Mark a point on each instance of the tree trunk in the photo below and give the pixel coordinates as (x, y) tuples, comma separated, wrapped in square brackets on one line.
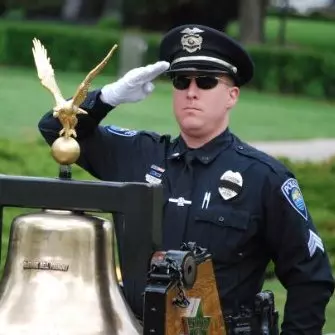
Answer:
[(112, 7), (251, 21), (82, 9), (71, 9), (283, 23)]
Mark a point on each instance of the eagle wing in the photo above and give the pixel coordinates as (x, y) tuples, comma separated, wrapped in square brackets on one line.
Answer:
[(45, 71), (83, 88)]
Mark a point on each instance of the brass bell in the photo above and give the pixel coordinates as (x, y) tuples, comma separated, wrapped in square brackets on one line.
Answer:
[(60, 278)]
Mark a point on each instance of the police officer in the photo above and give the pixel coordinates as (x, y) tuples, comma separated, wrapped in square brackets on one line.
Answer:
[(243, 205)]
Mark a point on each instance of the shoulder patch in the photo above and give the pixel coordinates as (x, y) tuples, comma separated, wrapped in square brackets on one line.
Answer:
[(121, 131), (292, 193)]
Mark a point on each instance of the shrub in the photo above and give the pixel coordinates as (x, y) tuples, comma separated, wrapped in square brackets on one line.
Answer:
[(73, 48), (293, 71)]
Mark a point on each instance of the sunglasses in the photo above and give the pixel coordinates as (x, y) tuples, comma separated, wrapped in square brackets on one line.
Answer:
[(182, 82)]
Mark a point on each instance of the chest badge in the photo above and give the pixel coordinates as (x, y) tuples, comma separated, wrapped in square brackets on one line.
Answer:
[(230, 184)]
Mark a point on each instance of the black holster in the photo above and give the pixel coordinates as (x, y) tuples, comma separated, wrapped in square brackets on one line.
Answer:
[(260, 319)]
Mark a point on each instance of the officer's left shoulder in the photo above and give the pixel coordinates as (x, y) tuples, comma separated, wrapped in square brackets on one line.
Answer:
[(277, 175), (265, 161)]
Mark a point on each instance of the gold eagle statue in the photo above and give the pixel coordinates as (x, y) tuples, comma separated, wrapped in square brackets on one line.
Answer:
[(65, 110)]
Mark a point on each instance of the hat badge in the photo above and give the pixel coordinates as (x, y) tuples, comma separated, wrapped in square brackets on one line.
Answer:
[(230, 184), (191, 40)]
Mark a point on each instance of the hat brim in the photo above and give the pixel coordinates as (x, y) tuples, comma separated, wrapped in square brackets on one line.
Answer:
[(200, 66), (195, 70), (191, 71)]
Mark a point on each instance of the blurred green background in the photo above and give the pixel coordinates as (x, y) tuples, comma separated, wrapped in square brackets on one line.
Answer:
[(291, 97)]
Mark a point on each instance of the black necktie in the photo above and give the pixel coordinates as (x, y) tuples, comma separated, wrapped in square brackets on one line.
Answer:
[(179, 203)]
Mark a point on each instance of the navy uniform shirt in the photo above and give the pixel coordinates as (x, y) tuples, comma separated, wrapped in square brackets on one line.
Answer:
[(238, 202)]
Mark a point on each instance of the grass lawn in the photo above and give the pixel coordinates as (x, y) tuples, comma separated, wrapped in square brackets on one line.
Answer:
[(257, 116)]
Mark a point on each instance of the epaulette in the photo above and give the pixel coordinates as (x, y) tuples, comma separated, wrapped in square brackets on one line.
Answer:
[(156, 136), (248, 150)]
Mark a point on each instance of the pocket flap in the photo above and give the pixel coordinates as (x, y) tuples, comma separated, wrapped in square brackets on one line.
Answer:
[(223, 217)]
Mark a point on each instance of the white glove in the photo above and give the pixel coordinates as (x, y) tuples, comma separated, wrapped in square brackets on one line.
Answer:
[(134, 86)]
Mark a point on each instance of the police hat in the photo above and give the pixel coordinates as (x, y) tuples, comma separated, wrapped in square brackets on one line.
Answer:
[(199, 48)]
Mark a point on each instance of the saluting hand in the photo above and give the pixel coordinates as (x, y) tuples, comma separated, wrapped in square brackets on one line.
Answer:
[(134, 86)]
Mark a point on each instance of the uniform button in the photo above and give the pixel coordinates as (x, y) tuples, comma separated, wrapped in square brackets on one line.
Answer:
[(241, 147), (221, 218)]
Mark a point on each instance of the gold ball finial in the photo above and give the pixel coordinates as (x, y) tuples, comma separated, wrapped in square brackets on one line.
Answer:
[(65, 150)]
